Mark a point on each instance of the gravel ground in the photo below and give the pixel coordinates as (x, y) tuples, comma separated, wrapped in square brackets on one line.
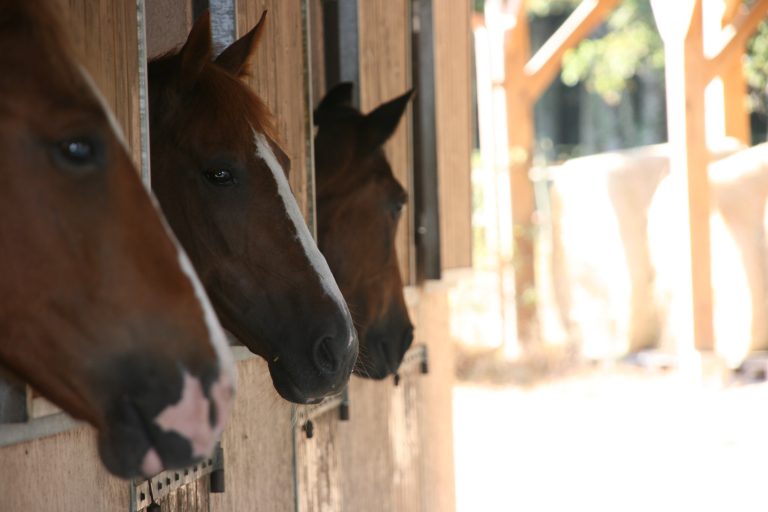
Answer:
[(618, 440)]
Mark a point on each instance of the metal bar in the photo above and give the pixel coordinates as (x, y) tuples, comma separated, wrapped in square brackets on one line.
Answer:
[(341, 40), (13, 433), (223, 24), (426, 191), (165, 483)]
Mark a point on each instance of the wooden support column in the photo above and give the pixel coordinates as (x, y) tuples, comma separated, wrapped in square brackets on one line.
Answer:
[(525, 80), (520, 137), (680, 24)]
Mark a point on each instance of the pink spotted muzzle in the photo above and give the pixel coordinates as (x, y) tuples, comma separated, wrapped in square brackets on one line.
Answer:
[(167, 426)]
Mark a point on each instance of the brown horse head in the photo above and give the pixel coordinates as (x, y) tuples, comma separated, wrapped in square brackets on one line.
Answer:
[(100, 310), (359, 202), (222, 182)]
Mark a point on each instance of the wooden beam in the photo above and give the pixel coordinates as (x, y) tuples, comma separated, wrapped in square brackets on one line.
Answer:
[(735, 85), (520, 138), (740, 32), (545, 64), (732, 8), (684, 48)]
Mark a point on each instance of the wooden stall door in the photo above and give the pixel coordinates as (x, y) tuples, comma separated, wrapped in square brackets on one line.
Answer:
[(280, 76)]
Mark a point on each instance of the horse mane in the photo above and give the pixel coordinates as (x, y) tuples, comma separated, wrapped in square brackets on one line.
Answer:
[(213, 82)]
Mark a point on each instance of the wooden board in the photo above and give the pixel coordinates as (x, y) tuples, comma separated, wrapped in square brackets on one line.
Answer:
[(60, 473), (318, 465), (258, 446), (278, 77), (105, 36), (454, 130), (384, 74), (168, 22)]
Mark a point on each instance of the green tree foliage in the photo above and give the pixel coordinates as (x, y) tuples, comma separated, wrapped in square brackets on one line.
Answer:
[(756, 69), (626, 47)]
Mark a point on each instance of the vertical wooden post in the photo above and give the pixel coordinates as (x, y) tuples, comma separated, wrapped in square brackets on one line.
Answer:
[(734, 87), (680, 24), (520, 137)]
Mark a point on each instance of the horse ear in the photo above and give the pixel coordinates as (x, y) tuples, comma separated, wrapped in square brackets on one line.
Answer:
[(340, 95), (234, 59), (382, 122), (196, 52)]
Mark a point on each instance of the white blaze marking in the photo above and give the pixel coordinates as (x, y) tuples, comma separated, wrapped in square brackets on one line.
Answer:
[(315, 257)]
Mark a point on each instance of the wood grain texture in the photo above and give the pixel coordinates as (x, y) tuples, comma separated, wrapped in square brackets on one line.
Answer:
[(60, 473), (278, 77), (318, 48), (318, 466), (105, 37), (257, 446), (168, 23), (385, 64), (193, 497), (454, 130)]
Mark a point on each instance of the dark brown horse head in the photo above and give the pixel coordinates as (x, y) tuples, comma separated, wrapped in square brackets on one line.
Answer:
[(222, 183), (359, 202), (100, 310)]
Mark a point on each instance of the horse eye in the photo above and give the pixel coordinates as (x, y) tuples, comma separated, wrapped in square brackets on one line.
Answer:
[(220, 176), (397, 209), (78, 153)]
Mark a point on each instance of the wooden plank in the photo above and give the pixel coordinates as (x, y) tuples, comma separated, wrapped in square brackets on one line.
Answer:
[(318, 465), (61, 473), (168, 23), (258, 445), (545, 64), (278, 77), (453, 70), (385, 74), (683, 39), (734, 86), (739, 34), (105, 36), (520, 138), (318, 56)]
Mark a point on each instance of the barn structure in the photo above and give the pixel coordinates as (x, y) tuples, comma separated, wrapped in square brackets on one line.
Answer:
[(382, 446), (663, 216)]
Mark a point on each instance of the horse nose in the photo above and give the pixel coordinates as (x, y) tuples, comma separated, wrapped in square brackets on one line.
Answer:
[(196, 417), (325, 357)]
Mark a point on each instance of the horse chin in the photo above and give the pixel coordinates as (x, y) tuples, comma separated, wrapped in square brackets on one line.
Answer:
[(285, 386)]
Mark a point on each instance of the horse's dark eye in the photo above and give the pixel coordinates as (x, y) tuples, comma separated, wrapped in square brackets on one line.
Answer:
[(220, 176), (77, 153), (397, 209)]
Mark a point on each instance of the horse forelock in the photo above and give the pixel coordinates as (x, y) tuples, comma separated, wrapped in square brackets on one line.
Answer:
[(216, 94)]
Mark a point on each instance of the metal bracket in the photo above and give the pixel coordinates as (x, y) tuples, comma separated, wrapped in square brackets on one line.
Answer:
[(163, 484), (305, 414)]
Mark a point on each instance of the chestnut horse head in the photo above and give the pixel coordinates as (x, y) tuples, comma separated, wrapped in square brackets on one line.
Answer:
[(359, 202), (100, 310), (222, 182)]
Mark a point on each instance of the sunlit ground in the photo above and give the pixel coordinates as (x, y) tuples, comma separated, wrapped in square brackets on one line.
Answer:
[(619, 439), (567, 436)]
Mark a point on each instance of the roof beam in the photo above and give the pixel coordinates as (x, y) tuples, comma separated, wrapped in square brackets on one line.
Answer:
[(545, 64)]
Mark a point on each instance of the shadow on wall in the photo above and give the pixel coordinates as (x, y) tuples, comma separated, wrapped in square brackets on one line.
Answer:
[(618, 253)]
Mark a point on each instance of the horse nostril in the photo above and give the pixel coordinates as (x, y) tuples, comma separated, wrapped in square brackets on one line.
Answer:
[(324, 358)]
